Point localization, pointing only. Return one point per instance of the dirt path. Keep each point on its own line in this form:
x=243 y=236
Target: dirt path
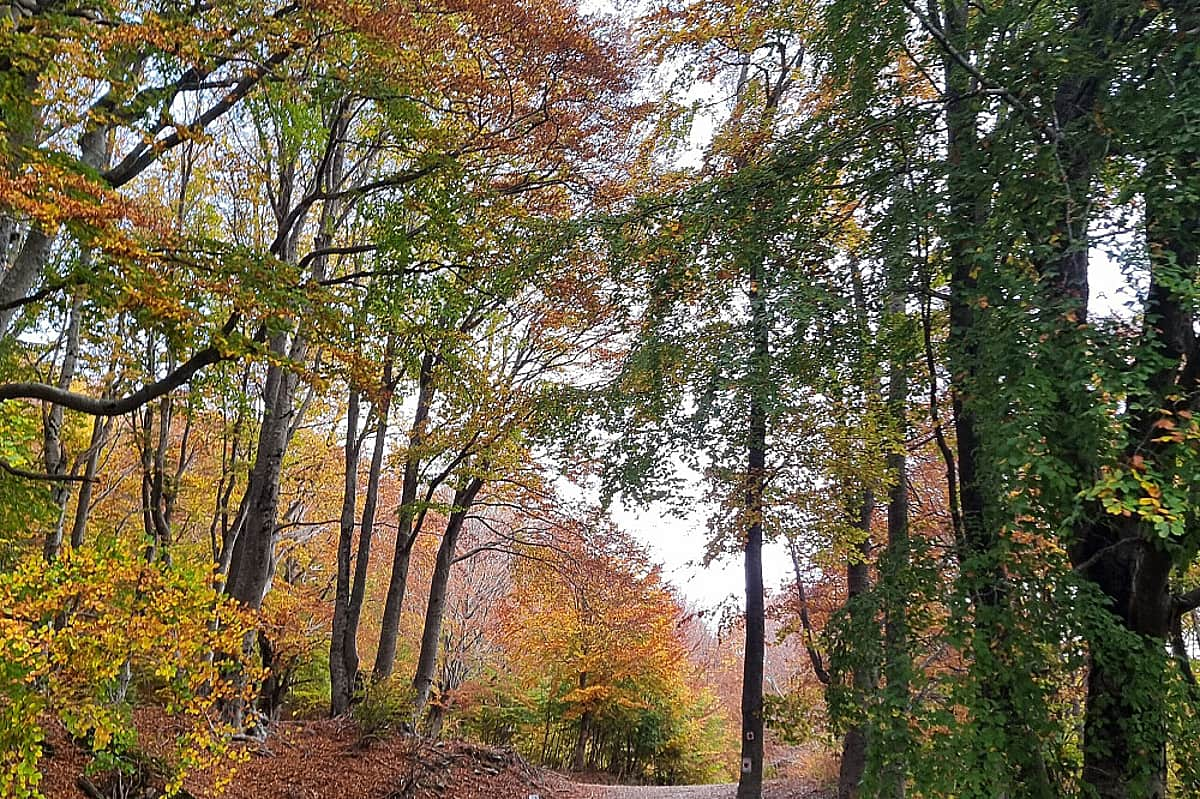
x=667 y=792
x=774 y=790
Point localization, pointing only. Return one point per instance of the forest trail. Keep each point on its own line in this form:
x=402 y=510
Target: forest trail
x=660 y=791
x=775 y=790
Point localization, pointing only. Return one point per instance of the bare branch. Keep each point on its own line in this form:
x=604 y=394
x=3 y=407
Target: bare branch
x=51 y=478
x=118 y=407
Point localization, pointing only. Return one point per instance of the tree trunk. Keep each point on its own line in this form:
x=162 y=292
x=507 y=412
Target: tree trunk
x=407 y=528
x=19 y=277
x=578 y=757
x=17 y=281
x=858 y=583
x=435 y=611
x=341 y=680
x=1125 y=735
x=362 y=558
x=1002 y=719
x=253 y=553
x=54 y=453
x=751 y=776
x=101 y=427
x=892 y=754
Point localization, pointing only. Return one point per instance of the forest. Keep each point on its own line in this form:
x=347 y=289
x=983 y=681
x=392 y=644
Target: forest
x=333 y=331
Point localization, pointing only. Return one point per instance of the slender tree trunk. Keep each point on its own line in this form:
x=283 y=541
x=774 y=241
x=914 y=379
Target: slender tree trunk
x=435 y=611
x=893 y=754
x=341 y=681
x=362 y=558
x=54 y=452
x=231 y=456
x=407 y=527
x=578 y=758
x=751 y=776
x=101 y=430
x=101 y=427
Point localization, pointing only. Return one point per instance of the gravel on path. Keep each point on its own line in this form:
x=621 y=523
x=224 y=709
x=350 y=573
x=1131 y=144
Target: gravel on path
x=773 y=790
x=662 y=792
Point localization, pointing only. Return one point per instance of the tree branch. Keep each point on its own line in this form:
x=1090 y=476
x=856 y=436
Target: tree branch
x=51 y=478
x=118 y=407
x=141 y=157
x=1188 y=602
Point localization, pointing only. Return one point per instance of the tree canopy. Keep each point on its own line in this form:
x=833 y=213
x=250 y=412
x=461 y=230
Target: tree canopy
x=330 y=331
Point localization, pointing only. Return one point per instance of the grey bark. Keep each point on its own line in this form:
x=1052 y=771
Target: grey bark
x=253 y=552
x=408 y=524
x=435 y=610
x=366 y=533
x=54 y=453
x=341 y=678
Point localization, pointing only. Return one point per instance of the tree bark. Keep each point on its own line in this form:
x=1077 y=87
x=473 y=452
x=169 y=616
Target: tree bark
x=54 y=452
x=578 y=757
x=101 y=427
x=253 y=554
x=435 y=611
x=892 y=754
x=1125 y=735
x=362 y=562
x=856 y=741
x=751 y=775
x=407 y=527
x=341 y=680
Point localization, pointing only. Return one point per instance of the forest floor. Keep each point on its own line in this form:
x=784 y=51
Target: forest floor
x=319 y=759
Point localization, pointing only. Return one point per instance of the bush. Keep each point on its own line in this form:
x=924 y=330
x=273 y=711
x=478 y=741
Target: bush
x=75 y=627
x=386 y=709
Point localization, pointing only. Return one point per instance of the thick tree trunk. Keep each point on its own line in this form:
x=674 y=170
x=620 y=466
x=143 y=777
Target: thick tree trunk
x=1000 y=684
x=21 y=276
x=253 y=553
x=858 y=582
x=435 y=611
x=1125 y=736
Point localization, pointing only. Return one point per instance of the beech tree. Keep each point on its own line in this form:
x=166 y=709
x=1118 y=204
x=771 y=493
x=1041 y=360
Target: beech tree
x=308 y=307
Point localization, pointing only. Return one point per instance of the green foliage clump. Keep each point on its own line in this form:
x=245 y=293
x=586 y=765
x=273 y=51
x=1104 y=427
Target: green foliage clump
x=385 y=709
